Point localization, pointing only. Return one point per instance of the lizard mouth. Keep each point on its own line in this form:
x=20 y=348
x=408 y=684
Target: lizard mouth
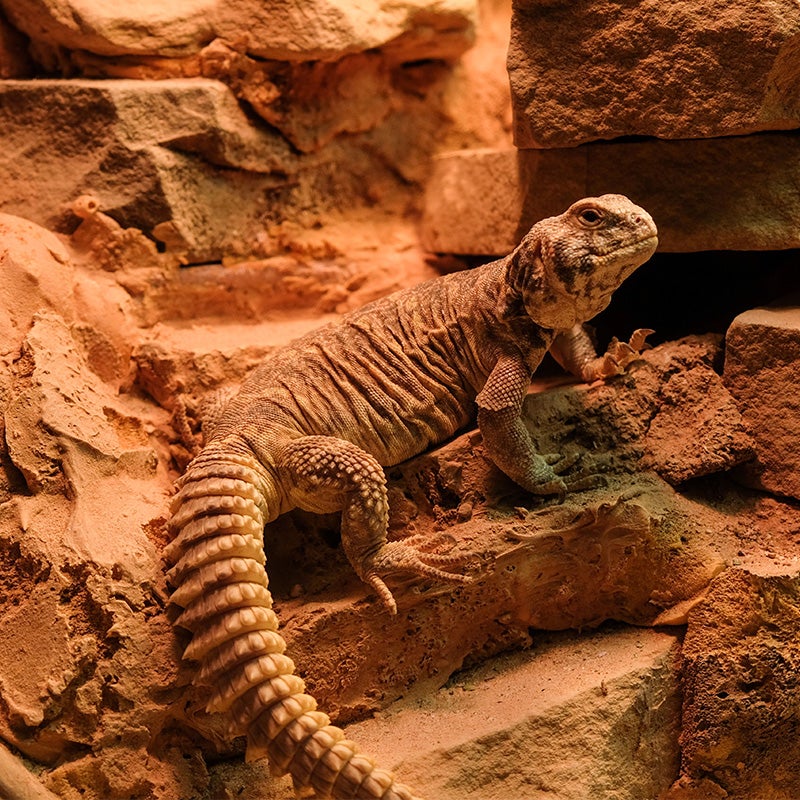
x=633 y=247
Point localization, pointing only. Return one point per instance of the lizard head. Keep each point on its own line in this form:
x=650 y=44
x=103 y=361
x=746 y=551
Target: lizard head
x=567 y=267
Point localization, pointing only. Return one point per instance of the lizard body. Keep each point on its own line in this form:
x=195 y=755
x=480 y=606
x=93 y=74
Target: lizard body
x=314 y=425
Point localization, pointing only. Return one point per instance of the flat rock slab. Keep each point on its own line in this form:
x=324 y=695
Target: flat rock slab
x=762 y=372
x=675 y=69
x=737 y=193
x=577 y=716
x=322 y=29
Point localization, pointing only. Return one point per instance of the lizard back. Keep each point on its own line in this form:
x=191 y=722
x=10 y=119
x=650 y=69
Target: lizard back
x=393 y=377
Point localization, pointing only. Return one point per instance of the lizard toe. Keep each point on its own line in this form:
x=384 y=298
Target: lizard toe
x=395 y=558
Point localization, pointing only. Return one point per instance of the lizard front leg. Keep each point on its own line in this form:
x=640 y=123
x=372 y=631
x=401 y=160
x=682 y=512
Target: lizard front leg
x=574 y=350
x=324 y=473
x=507 y=441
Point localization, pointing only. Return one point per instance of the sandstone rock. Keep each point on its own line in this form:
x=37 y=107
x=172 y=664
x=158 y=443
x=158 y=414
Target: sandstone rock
x=673 y=70
x=108 y=28
x=67 y=433
x=37 y=274
x=179 y=160
x=327 y=29
x=477 y=95
x=694 y=407
x=575 y=717
x=762 y=372
x=78 y=567
x=200 y=358
x=473 y=203
x=88 y=656
x=726 y=194
x=324 y=29
x=741 y=659
x=181 y=169
x=309 y=102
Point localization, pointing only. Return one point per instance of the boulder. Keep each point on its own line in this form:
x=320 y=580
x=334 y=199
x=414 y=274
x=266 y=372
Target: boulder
x=740 y=663
x=672 y=69
x=693 y=407
x=327 y=29
x=108 y=28
x=762 y=372
x=323 y=29
x=576 y=716
x=734 y=193
x=175 y=158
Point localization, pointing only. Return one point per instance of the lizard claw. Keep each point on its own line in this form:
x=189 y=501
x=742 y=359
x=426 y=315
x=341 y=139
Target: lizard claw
x=411 y=555
x=620 y=354
x=560 y=483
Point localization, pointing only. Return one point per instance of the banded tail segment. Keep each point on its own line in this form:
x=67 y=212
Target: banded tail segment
x=221 y=584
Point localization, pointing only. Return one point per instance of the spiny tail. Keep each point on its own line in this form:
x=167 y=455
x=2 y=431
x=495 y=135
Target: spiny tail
x=218 y=556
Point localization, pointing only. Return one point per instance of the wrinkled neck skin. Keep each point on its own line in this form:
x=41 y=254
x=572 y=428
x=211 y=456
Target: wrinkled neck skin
x=557 y=308
x=560 y=285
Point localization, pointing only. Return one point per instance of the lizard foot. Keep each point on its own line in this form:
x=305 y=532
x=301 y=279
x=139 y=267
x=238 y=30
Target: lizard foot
x=416 y=555
x=558 y=483
x=620 y=354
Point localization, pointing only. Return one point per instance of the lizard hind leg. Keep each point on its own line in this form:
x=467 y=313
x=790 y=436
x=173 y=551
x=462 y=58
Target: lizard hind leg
x=323 y=472
x=221 y=585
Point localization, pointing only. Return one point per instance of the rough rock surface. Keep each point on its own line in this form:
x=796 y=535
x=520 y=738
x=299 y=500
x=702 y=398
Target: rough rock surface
x=672 y=437
x=14 y=59
x=94 y=693
x=323 y=29
x=762 y=372
x=227 y=152
x=676 y=70
x=562 y=712
x=742 y=701
x=203 y=178
x=176 y=176
x=473 y=202
x=734 y=193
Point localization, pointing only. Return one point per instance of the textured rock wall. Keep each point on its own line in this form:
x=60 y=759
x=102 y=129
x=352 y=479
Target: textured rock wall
x=679 y=70
x=288 y=146
x=690 y=110
x=735 y=193
x=231 y=130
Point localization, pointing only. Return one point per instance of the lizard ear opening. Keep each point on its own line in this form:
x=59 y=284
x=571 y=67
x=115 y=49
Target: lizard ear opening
x=525 y=266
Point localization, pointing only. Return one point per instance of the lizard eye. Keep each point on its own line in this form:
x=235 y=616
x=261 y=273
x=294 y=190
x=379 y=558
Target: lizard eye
x=590 y=217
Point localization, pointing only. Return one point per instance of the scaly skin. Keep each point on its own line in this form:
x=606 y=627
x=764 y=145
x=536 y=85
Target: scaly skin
x=315 y=424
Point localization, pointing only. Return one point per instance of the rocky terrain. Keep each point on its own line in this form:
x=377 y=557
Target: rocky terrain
x=185 y=190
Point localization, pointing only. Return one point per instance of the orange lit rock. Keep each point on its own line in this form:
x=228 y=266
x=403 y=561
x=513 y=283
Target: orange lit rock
x=323 y=29
x=675 y=70
x=734 y=193
x=762 y=372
